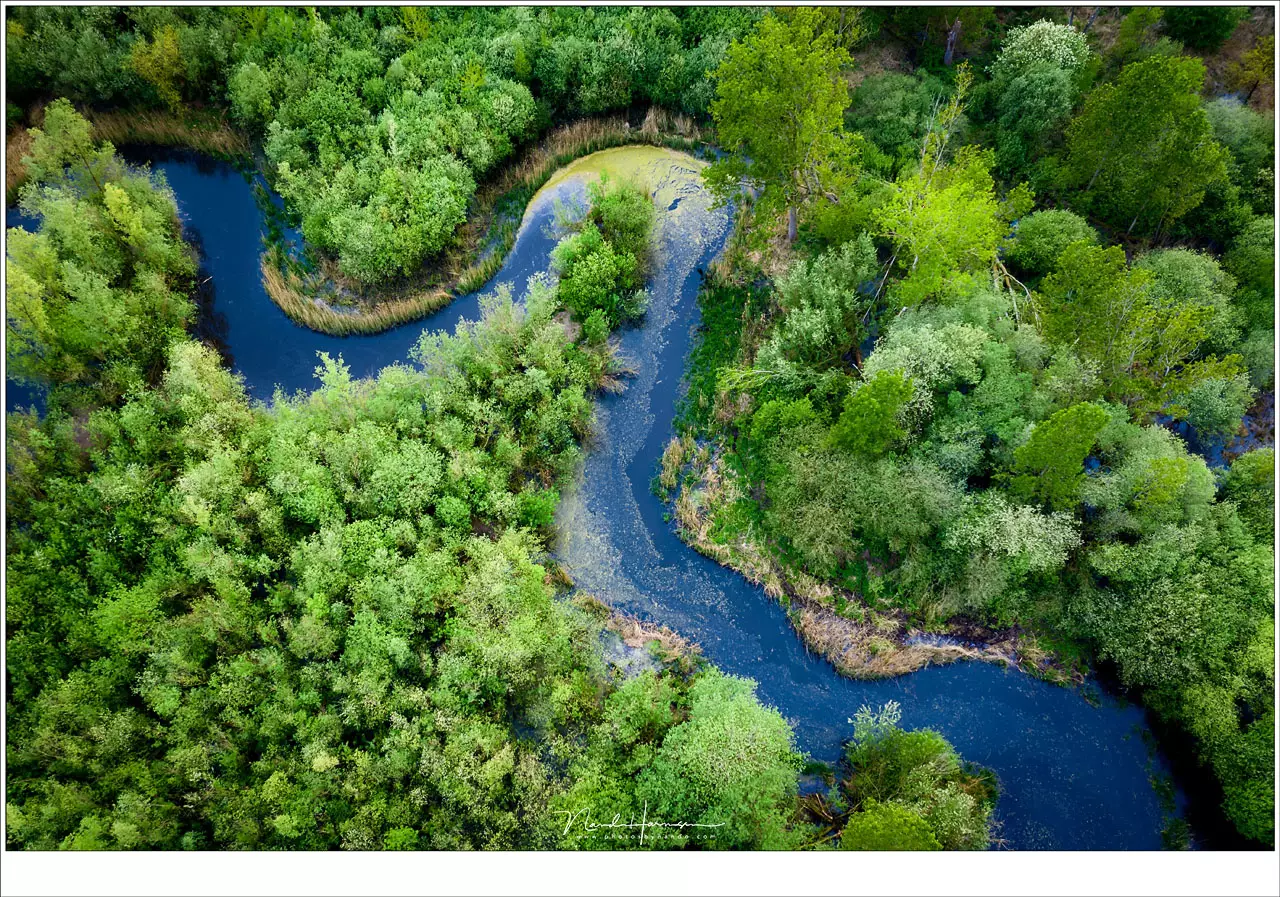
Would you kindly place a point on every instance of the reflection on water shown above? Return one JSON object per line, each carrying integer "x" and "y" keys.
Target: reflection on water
{"x": 1074, "y": 774}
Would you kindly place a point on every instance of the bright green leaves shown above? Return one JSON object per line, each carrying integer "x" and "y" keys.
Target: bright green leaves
{"x": 731, "y": 766}
{"x": 869, "y": 424}
{"x": 1143, "y": 326}
{"x": 1049, "y": 468}
{"x": 779, "y": 111}
{"x": 887, "y": 826}
{"x": 910, "y": 790}
{"x": 946, "y": 224}
{"x": 99, "y": 293}
{"x": 602, "y": 266}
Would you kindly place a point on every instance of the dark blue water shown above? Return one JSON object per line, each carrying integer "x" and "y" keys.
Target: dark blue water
{"x": 1074, "y": 774}
{"x": 222, "y": 217}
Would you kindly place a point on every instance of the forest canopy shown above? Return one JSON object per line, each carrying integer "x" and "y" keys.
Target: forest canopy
{"x": 992, "y": 347}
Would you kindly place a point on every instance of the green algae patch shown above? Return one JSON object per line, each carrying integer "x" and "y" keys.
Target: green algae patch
{"x": 664, "y": 171}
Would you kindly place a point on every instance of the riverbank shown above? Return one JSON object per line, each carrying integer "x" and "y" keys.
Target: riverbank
{"x": 861, "y": 642}
{"x": 202, "y": 130}
{"x": 323, "y": 299}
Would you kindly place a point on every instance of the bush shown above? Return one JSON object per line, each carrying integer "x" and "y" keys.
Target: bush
{"x": 1041, "y": 237}
{"x": 887, "y": 826}
{"x": 1216, "y": 405}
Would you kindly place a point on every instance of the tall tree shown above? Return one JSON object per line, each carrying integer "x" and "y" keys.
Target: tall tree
{"x": 1142, "y": 149}
{"x": 1049, "y": 467}
{"x": 779, "y": 111}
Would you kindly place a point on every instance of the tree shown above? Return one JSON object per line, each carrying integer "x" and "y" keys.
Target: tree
{"x": 1060, "y": 46}
{"x": 1144, "y": 341}
{"x": 1042, "y": 236}
{"x": 1251, "y": 484}
{"x": 946, "y": 223}
{"x": 1142, "y": 150}
{"x": 1049, "y": 467}
{"x": 1257, "y": 67}
{"x": 778, "y": 111}
{"x": 731, "y": 766}
{"x": 1203, "y": 27}
{"x": 869, "y": 424}
{"x": 159, "y": 62}
{"x": 827, "y": 305}
{"x": 97, "y": 294}
{"x": 1031, "y": 107}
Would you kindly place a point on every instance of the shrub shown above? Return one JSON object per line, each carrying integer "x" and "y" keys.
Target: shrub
{"x": 1041, "y": 237}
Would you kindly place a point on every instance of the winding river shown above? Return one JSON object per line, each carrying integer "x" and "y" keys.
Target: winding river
{"x": 1075, "y": 766}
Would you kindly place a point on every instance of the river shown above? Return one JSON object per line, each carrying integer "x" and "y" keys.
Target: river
{"x": 1075, "y": 765}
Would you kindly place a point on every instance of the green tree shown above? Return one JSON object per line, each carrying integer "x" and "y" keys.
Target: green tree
{"x": 1141, "y": 150}
{"x": 1257, "y": 67}
{"x": 1042, "y": 236}
{"x": 869, "y": 424}
{"x": 1049, "y": 467}
{"x": 1203, "y": 27}
{"x": 97, "y": 294}
{"x": 1144, "y": 341}
{"x": 778, "y": 112}
{"x": 159, "y": 62}
{"x": 730, "y": 766}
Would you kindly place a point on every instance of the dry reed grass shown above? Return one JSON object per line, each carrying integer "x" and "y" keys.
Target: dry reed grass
{"x": 200, "y": 130}
{"x": 17, "y": 144}
{"x": 297, "y": 297}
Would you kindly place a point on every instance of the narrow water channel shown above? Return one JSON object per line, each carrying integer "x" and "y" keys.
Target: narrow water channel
{"x": 1074, "y": 765}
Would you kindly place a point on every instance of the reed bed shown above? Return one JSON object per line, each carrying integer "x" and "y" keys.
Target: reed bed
{"x": 17, "y": 144}
{"x": 297, "y": 299}
{"x": 200, "y": 130}
{"x": 482, "y": 243}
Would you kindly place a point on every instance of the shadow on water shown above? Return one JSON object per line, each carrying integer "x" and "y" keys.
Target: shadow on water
{"x": 1074, "y": 773}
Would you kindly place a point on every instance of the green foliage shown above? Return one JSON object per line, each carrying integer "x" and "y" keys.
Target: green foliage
{"x": 1060, "y": 46}
{"x": 1108, "y": 537}
{"x": 827, "y": 306}
{"x": 1050, "y": 467}
{"x": 731, "y": 763}
{"x": 1042, "y": 236}
{"x": 1143, "y": 325}
{"x": 778, "y": 111}
{"x": 1141, "y": 150}
{"x": 98, "y": 293}
{"x": 1250, "y": 137}
{"x": 1032, "y": 108}
{"x": 887, "y": 826}
{"x": 911, "y": 786}
{"x": 1252, "y": 261}
{"x": 1185, "y": 277}
{"x": 1251, "y": 484}
{"x": 1215, "y": 406}
{"x": 869, "y": 424}
{"x": 1203, "y": 27}
{"x": 945, "y": 224}
{"x": 602, "y": 266}
{"x": 892, "y": 110}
